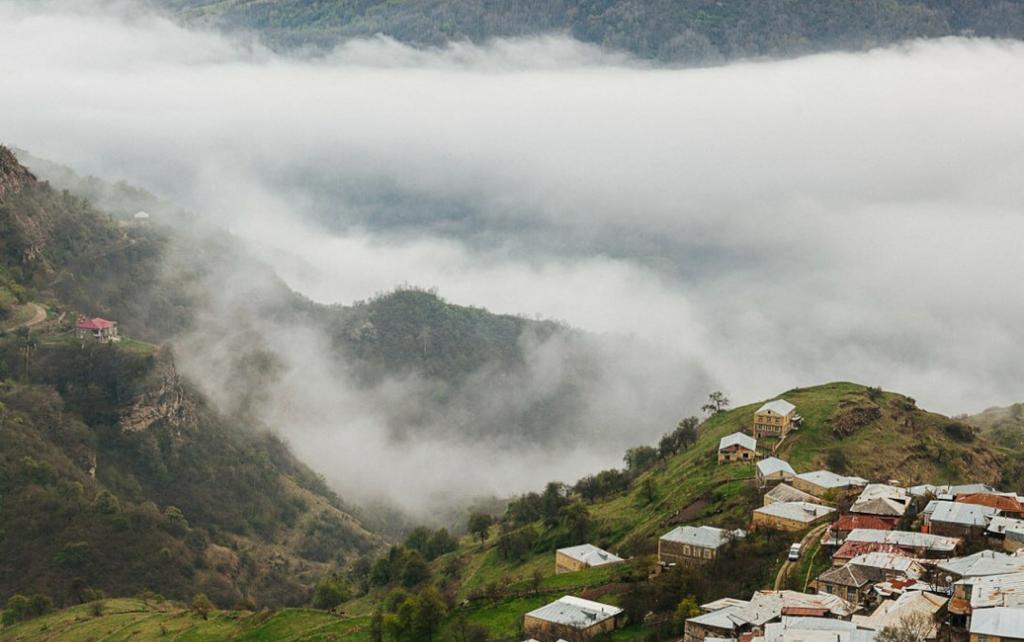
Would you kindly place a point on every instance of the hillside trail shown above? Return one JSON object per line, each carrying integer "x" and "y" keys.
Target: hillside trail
{"x": 38, "y": 317}
{"x": 780, "y": 577}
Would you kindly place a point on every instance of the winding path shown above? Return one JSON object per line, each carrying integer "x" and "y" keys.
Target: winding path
{"x": 38, "y": 317}
{"x": 805, "y": 549}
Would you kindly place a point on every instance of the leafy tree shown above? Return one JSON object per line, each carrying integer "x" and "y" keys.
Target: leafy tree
{"x": 913, "y": 627}
{"x": 440, "y": 542}
{"x": 552, "y": 500}
{"x": 20, "y": 608}
{"x": 480, "y": 525}
{"x": 717, "y": 402}
{"x": 201, "y": 605}
{"x": 640, "y": 458}
{"x": 329, "y": 593}
{"x": 415, "y": 570}
{"x": 428, "y": 613}
{"x": 576, "y": 519}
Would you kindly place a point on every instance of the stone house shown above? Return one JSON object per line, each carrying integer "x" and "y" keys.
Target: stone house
{"x": 775, "y": 419}
{"x": 791, "y": 516}
{"x": 692, "y": 545}
{"x": 572, "y": 618}
{"x": 578, "y": 558}
{"x": 737, "y": 447}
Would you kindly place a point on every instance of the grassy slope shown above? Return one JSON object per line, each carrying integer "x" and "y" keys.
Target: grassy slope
{"x": 692, "y": 488}
{"x": 1002, "y": 425}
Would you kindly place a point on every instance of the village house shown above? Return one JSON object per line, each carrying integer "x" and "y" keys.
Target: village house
{"x": 882, "y": 500}
{"x": 775, "y": 419}
{"x": 888, "y": 566}
{"x": 950, "y": 491}
{"x": 572, "y": 618}
{"x": 1006, "y": 533}
{"x": 730, "y": 618}
{"x": 956, "y": 519}
{"x": 96, "y": 328}
{"x": 980, "y": 564}
{"x": 890, "y": 613}
{"x": 786, "y": 493}
{"x": 577, "y": 558}
{"x": 821, "y": 483}
{"x": 691, "y": 545}
{"x": 737, "y": 447}
{"x": 850, "y": 550}
{"x": 791, "y": 516}
{"x": 1008, "y": 505}
{"x": 849, "y": 582}
{"x": 772, "y": 470}
{"x": 973, "y": 595}
{"x": 999, "y": 624}
{"x": 839, "y": 529}
{"x": 855, "y": 580}
{"x": 923, "y": 545}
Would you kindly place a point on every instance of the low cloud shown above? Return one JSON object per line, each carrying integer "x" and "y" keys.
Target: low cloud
{"x": 752, "y": 227}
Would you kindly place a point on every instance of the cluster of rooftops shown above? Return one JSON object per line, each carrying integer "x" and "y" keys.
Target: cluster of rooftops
{"x": 952, "y": 555}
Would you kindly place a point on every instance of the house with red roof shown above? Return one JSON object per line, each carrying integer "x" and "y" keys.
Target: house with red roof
{"x": 96, "y": 328}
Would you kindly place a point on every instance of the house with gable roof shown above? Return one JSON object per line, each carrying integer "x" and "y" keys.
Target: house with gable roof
{"x": 775, "y": 419}
{"x": 737, "y": 447}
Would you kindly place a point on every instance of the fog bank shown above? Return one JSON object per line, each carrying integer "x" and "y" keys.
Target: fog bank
{"x": 752, "y": 227}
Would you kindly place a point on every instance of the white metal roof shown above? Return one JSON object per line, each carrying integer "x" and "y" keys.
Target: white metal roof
{"x": 796, "y": 511}
{"x": 996, "y": 590}
{"x": 703, "y": 536}
{"x": 982, "y": 563}
{"x": 884, "y": 506}
{"x": 910, "y": 539}
{"x": 999, "y": 524}
{"x": 772, "y": 465}
{"x": 778, "y": 407}
{"x": 1000, "y": 622}
{"x": 962, "y": 514}
{"x": 786, "y": 493}
{"x": 575, "y": 612}
{"x": 738, "y": 439}
{"x": 815, "y": 629}
{"x": 890, "y": 612}
{"x": 590, "y": 554}
{"x": 829, "y": 479}
{"x": 902, "y": 564}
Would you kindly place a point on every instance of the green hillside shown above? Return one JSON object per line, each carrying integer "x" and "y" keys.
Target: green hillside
{"x": 116, "y": 476}
{"x": 483, "y": 587}
{"x": 1002, "y": 425}
{"x": 692, "y": 31}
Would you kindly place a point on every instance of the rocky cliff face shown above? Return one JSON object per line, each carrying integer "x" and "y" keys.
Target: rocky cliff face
{"x": 14, "y": 177}
{"x": 166, "y": 401}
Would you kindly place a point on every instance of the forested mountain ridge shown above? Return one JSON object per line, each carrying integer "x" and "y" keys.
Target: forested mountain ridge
{"x": 687, "y": 31}
{"x": 116, "y": 475}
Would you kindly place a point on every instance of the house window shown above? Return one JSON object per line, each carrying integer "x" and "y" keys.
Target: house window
{"x": 707, "y": 553}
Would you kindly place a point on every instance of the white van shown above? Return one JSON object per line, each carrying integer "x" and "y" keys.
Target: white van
{"x": 794, "y": 552}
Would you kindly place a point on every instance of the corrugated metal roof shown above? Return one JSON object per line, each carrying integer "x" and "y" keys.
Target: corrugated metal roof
{"x": 907, "y": 539}
{"x": 884, "y": 506}
{"x": 575, "y": 612}
{"x": 796, "y": 511}
{"x": 996, "y": 590}
{"x": 891, "y": 612}
{"x": 703, "y": 536}
{"x": 962, "y": 514}
{"x": 786, "y": 493}
{"x": 846, "y": 575}
{"x": 999, "y": 621}
{"x": 590, "y": 554}
{"x": 828, "y": 479}
{"x": 890, "y": 562}
{"x": 738, "y": 439}
{"x": 999, "y": 524}
{"x": 778, "y": 407}
{"x": 772, "y": 465}
{"x": 981, "y": 564}
{"x": 766, "y": 606}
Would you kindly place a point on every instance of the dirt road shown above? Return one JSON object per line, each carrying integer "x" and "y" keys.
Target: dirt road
{"x": 805, "y": 549}
{"x": 38, "y": 316}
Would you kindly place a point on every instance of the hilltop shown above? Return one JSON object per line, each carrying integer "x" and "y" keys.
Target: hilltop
{"x": 690, "y": 31}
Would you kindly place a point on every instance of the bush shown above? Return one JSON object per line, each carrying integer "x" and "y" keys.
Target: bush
{"x": 201, "y": 606}
{"x": 329, "y": 593}
{"x": 21, "y": 608}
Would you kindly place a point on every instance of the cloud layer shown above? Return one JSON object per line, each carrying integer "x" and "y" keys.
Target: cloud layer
{"x": 841, "y": 216}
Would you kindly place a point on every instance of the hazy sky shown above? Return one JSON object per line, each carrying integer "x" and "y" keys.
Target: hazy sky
{"x": 841, "y": 216}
